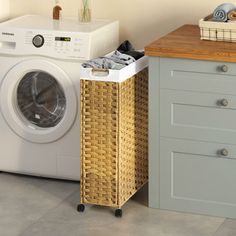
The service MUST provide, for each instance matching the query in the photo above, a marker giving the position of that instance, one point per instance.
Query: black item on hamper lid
(127, 48)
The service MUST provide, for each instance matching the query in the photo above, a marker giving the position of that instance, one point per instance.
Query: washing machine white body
(40, 62)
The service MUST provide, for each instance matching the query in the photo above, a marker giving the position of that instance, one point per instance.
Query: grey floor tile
(48, 228)
(138, 220)
(228, 228)
(42, 207)
(23, 200)
(117, 227)
(14, 226)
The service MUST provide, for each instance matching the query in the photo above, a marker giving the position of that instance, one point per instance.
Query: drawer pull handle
(224, 102)
(224, 152)
(224, 68)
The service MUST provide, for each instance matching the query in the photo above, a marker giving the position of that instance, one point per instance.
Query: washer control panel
(66, 46)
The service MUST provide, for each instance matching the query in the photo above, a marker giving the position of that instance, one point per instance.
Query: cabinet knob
(223, 102)
(224, 152)
(224, 68)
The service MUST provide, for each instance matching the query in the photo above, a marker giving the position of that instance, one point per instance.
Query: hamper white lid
(114, 75)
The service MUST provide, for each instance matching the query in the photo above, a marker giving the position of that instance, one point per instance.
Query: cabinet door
(198, 177)
(198, 116)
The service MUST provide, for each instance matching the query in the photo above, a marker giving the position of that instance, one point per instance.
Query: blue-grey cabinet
(192, 136)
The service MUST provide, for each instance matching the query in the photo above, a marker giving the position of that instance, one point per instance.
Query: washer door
(38, 101)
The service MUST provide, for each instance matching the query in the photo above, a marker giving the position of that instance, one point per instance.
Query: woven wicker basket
(114, 139)
(217, 31)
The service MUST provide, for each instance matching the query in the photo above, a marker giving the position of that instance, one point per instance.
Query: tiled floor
(40, 207)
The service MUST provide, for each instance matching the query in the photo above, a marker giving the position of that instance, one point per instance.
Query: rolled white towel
(221, 12)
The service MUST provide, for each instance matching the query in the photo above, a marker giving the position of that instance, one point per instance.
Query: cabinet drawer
(195, 75)
(195, 177)
(199, 116)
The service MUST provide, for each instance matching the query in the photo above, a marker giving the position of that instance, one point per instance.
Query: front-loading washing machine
(40, 61)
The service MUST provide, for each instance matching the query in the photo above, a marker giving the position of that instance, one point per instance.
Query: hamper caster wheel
(80, 208)
(118, 213)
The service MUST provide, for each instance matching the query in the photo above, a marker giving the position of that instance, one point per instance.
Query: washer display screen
(63, 39)
(41, 99)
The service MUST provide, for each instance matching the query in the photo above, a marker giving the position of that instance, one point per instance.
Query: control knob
(38, 41)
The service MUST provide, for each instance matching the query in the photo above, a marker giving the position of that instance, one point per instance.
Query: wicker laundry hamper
(114, 137)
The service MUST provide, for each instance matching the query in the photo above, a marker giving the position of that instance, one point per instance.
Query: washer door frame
(10, 110)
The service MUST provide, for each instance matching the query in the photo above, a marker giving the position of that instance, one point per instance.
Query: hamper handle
(100, 72)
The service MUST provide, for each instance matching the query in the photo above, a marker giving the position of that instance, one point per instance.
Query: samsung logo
(9, 34)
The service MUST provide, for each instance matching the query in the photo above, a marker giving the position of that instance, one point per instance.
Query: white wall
(4, 9)
(141, 21)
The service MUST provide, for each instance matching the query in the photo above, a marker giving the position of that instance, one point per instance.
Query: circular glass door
(41, 99)
(38, 101)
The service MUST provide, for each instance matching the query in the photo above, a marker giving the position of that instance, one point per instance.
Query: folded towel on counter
(116, 61)
(221, 12)
(232, 15)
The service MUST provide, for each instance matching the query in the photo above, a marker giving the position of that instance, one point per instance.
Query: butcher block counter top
(185, 43)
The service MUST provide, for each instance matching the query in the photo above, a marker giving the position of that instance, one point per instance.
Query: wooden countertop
(185, 42)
